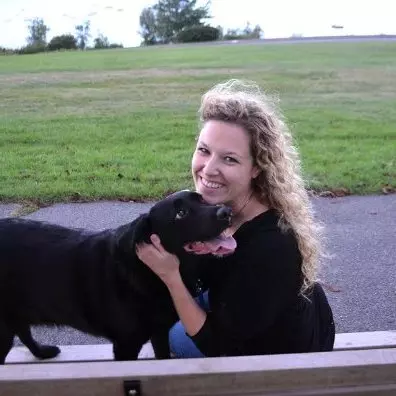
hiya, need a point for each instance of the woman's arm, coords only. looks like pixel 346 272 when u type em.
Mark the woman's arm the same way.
pixel 166 266
pixel 190 314
pixel 259 282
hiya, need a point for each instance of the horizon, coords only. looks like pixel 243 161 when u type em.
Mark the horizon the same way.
pixel 120 21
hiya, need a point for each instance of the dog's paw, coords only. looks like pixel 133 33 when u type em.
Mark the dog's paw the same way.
pixel 48 352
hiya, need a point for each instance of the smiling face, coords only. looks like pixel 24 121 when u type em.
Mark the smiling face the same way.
pixel 222 164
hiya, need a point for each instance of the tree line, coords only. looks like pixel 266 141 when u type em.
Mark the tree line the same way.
pixel 167 21
pixel 181 21
pixel 37 39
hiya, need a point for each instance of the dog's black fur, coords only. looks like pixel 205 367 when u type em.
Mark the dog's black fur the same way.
pixel 93 281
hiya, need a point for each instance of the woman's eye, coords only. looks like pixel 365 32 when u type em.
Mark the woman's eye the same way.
pixel 203 150
pixel 181 213
pixel 230 159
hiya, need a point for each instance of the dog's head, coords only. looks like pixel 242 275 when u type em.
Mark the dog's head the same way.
pixel 184 221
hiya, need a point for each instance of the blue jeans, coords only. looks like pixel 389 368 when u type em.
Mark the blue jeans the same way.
pixel 180 344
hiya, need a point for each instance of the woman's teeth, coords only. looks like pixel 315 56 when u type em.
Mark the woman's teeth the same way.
pixel 209 184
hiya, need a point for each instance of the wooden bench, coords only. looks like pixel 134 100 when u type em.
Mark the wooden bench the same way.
pixel 361 364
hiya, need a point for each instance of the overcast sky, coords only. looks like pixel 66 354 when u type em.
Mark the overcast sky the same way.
pixel 119 19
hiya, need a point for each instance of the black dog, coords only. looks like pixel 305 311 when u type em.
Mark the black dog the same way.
pixel 93 281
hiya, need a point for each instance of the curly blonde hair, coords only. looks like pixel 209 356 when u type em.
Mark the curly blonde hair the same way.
pixel 279 183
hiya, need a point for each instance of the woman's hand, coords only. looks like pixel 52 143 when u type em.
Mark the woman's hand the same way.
pixel 161 262
pixel 166 266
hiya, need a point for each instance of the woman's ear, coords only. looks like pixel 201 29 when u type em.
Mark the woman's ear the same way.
pixel 255 172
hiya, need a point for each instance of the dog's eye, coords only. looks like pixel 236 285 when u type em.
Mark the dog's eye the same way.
pixel 181 213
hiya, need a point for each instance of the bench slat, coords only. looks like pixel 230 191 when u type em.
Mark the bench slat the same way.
pixel 364 372
pixel 103 352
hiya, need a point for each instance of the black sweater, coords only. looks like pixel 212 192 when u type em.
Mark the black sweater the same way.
pixel 255 305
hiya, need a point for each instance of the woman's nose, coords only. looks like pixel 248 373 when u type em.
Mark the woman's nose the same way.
pixel 211 167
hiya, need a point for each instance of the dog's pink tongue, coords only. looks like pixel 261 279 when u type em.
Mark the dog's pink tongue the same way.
pixel 219 246
pixel 225 243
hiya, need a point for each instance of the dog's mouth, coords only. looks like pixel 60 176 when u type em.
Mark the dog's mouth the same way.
pixel 220 246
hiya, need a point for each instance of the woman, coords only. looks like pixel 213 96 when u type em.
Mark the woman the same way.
pixel 264 298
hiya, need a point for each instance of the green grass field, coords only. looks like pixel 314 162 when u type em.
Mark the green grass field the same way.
pixel 120 124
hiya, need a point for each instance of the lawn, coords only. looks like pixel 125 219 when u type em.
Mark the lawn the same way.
pixel 121 124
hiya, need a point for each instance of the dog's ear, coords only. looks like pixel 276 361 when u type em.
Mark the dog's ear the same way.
pixel 137 231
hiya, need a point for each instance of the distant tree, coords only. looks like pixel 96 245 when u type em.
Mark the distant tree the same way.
pixel 30 49
pixel 64 41
pixel 148 26
pixel 37 33
pixel 232 34
pixel 164 20
pixel 116 45
pixel 83 33
pixel 174 15
pixel 248 29
pixel 196 34
pixel 101 42
pixel 250 33
pixel 247 33
pixel 221 32
pixel 257 32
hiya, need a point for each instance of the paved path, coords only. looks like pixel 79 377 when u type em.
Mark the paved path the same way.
pixel 293 40
pixel 361 234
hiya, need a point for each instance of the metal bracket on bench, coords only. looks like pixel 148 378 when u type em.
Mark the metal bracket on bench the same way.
pixel 132 388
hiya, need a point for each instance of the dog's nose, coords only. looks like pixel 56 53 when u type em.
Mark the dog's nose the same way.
pixel 224 213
